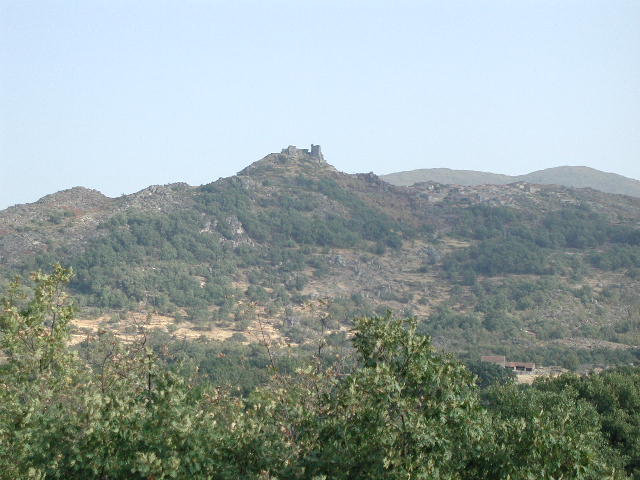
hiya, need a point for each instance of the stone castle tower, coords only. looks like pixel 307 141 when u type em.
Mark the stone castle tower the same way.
pixel 315 154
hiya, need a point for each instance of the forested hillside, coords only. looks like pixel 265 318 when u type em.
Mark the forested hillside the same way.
pixel 292 247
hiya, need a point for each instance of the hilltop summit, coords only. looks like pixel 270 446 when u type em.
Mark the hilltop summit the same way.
pixel 291 158
pixel 76 197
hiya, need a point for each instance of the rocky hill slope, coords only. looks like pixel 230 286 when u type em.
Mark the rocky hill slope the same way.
pixel 294 248
pixel 578 177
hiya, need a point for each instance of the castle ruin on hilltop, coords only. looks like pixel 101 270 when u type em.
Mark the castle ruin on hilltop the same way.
pixel 295 153
pixel 290 157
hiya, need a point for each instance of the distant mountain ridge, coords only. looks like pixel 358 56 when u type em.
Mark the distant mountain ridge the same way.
pixel 568 176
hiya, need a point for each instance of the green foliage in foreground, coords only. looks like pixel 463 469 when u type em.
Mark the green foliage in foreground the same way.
pixel 404 411
pixel 615 394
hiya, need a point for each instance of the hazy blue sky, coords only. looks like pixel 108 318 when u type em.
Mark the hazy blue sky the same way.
pixel 118 95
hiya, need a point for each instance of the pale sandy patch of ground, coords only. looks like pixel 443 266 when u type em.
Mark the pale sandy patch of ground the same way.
pixel 528 378
pixel 590 343
pixel 258 331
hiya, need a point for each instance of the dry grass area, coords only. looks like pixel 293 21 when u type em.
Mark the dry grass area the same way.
pixel 259 330
pixel 589 343
pixel 454 243
pixel 87 327
pixel 528 378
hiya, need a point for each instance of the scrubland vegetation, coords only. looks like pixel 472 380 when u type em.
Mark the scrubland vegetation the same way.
pixel 523 279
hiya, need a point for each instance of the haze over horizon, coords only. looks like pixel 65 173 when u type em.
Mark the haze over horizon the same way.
pixel 117 96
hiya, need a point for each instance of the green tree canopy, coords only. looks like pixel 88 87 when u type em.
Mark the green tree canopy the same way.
pixel 401 410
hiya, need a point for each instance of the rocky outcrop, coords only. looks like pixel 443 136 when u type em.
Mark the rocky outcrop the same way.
pixel 290 159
